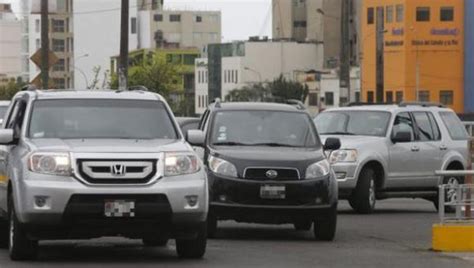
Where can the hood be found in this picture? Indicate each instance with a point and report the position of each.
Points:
(108, 145)
(278, 157)
(355, 142)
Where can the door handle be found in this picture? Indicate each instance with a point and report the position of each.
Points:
(415, 149)
(443, 147)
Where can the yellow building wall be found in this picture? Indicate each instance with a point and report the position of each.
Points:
(440, 56)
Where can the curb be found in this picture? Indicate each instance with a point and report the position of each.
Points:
(453, 238)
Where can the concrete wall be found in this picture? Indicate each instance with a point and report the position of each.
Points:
(201, 85)
(282, 19)
(10, 45)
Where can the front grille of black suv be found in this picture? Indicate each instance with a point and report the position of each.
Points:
(262, 174)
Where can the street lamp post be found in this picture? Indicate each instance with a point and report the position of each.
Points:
(361, 56)
(254, 71)
(80, 70)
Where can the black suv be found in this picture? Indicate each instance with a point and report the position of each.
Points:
(266, 164)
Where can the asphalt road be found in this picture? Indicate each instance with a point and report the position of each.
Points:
(397, 235)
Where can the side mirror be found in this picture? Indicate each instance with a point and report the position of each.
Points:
(6, 136)
(196, 137)
(401, 136)
(332, 144)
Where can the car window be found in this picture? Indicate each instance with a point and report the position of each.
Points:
(3, 111)
(456, 129)
(423, 124)
(403, 123)
(204, 117)
(435, 127)
(363, 123)
(11, 116)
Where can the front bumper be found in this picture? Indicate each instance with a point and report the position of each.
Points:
(239, 199)
(346, 175)
(68, 202)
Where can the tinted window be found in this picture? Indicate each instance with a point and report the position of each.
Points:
(3, 111)
(272, 128)
(435, 127)
(423, 123)
(363, 123)
(403, 123)
(456, 129)
(121, 119)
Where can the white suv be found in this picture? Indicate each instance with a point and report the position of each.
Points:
(393, 151)
(85, 164)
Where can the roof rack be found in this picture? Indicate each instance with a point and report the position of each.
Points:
(217, 102)
(422, 104)
(29, 87)
(352, 104)
(138, 88)
(299, 104)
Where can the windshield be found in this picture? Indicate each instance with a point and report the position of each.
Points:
(85, 118)
(263, 128)
(361, 123)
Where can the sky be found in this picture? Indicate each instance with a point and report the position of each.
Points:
(240, 18)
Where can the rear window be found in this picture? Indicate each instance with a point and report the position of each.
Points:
(455, 127)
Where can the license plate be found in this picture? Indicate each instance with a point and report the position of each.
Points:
(119, 208)
(272, 192)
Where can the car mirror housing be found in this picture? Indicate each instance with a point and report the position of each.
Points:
(401, 137)
(332, 144)
(196, 137)
(6, 136)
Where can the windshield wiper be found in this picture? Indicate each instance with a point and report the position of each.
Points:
(274, 144)
(230, 143)
(338, 133)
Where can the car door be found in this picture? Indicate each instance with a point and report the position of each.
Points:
(403, 155)
(429, 143)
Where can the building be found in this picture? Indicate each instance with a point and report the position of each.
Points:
(469, 57)
(61, 42)
(10, 43)
(413, 50)
(25, 9)
(234, 65)
(161, 28)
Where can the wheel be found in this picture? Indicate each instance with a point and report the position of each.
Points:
(211, 225)
(20, 246)
(193, 248)
(363, 197)
(303, 225)
(155, 242)
(325, 227)
(450, 194)
(4, 233)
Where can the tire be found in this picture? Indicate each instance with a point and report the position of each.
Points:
(211, 225)
(4, 233)
(363, 197)
(449, 195)
(155, 242)
(193, 248)
(303, 225)
(20, 246)
(325, 227)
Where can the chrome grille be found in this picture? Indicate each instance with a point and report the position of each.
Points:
(260, 173)
(117, 171)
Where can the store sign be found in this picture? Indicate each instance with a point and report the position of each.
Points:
(445, 32)
(398, 31)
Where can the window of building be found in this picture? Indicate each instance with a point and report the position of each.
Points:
(38, 43)
(37, 26)
(329, 98)
(214, 36)
(446, 97)
(399, 96)
(299, 3)
(389, 14)
(59, 83)
(236, 76)
(197, 36)
(158, 17)
(213, 18)
(370, 15)
(58, 26)
(133, 25)
(299, 24)
(446, 14)
(174, 58)
(389, 97)
(154, 4)
(424, 96)
(189, 59)
(313, 99)
(58, 45)
(198, 18)
(357, 96)
(175, 18)
(422, 14)
(400, 13)
(370, 97)
(60, 66)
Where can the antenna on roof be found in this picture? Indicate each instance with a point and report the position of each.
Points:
(217, 102)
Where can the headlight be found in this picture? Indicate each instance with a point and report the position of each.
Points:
(51, 163)
(343, 156)
(180, 164)
(318, 170)
(222, 167)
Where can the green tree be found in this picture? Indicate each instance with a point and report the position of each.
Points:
(8, 90)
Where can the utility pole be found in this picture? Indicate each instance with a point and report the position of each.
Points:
(123, 62)
(345, 63)
(379, 37)
(44, 44)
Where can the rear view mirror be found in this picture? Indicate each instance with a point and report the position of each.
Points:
(332, 144)
(6, 136)
(402, 136)
(196, 137)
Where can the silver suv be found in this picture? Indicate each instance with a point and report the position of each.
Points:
(85, 164)
(393, 150)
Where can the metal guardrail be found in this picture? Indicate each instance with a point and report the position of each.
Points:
(463, 203)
